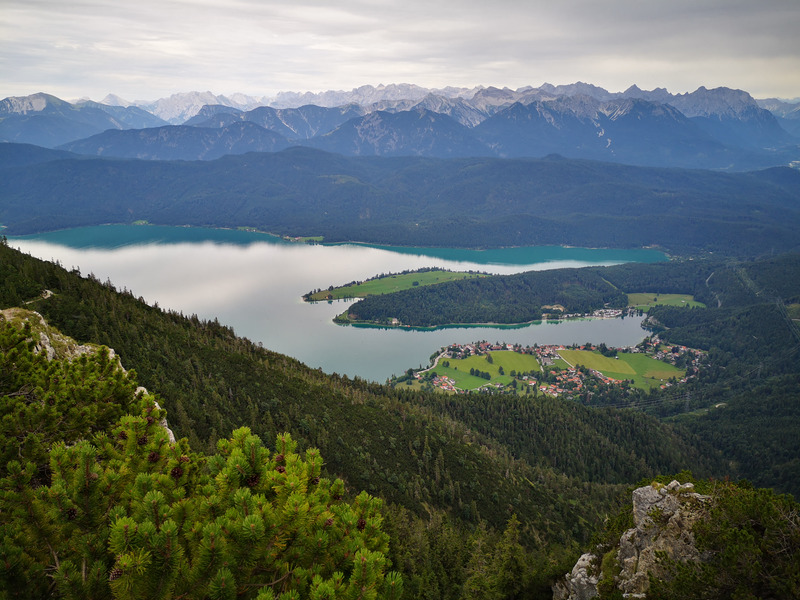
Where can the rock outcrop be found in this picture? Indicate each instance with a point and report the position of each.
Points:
(56, 345)
(580, 583)
(663, 517)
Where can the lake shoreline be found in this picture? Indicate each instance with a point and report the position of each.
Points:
(255, 289)
(489, 325)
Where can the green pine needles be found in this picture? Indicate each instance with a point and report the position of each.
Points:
(126, 513)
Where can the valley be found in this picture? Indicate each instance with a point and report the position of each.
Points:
(552, 296)
(253, 283)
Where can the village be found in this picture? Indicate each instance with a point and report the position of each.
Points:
(553, 375)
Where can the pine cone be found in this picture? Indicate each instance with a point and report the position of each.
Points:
(328, 522)
(315, 481)
(176, 473)
(279, 458)
(361, 524)
(252, 481)
(116, 573)
(280, 469)
(184, 459)
(153, 456)
(150, 420)
(72, 513)
(142, 440)
(123, 435)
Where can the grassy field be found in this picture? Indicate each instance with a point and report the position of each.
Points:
(646, 372)
(458, 370)
(645, 301)
(391, 283)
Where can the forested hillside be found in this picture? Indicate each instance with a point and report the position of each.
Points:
(743, 400)
(502, 299)
(102, 505)
(471, 202)
(441, 474)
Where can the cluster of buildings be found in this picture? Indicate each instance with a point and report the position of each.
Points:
(571, 380)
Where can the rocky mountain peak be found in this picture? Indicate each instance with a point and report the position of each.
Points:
(22, 105)
(716, 102)
(114, 100)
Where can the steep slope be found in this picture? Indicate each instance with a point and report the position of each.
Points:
(128, 490)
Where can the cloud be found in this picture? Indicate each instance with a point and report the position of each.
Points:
(150, 49)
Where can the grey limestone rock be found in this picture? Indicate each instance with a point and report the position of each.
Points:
(581, 583)
(663, 517)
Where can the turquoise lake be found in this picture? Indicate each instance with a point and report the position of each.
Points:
(253, 282)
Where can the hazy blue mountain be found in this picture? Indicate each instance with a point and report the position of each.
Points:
(409, 133)
(293, 123)
(717, 128)
(560, 126)
(181, 142)
(304, 122)
(577, 89)
(733, 117)
(781, 108)
(48, 121)
(459, 109)
(21, 155)
(649, 133)
(131, 117)
(211, 112)
(621, 130)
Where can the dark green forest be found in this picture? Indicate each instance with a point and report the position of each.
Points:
(478, 202)
(488, 493)
(752, 344)
(503, 299)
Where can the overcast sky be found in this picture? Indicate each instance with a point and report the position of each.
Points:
(148, 49)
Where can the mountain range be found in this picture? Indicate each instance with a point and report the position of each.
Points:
(709, 128)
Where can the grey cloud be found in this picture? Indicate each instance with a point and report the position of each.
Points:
(153, 48)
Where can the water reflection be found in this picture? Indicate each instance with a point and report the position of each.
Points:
(256, 288)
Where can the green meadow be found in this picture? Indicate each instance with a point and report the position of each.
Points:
(458, 369)
(645, 300)
(391, 283)
(645, 372)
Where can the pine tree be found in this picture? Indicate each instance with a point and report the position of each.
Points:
(123, 511)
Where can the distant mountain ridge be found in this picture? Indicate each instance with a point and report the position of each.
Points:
(716, 128)
(48, 121)
(181, 142)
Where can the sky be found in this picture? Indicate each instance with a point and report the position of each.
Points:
(150, 49)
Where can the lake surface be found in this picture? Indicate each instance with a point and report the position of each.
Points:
(253, 282)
